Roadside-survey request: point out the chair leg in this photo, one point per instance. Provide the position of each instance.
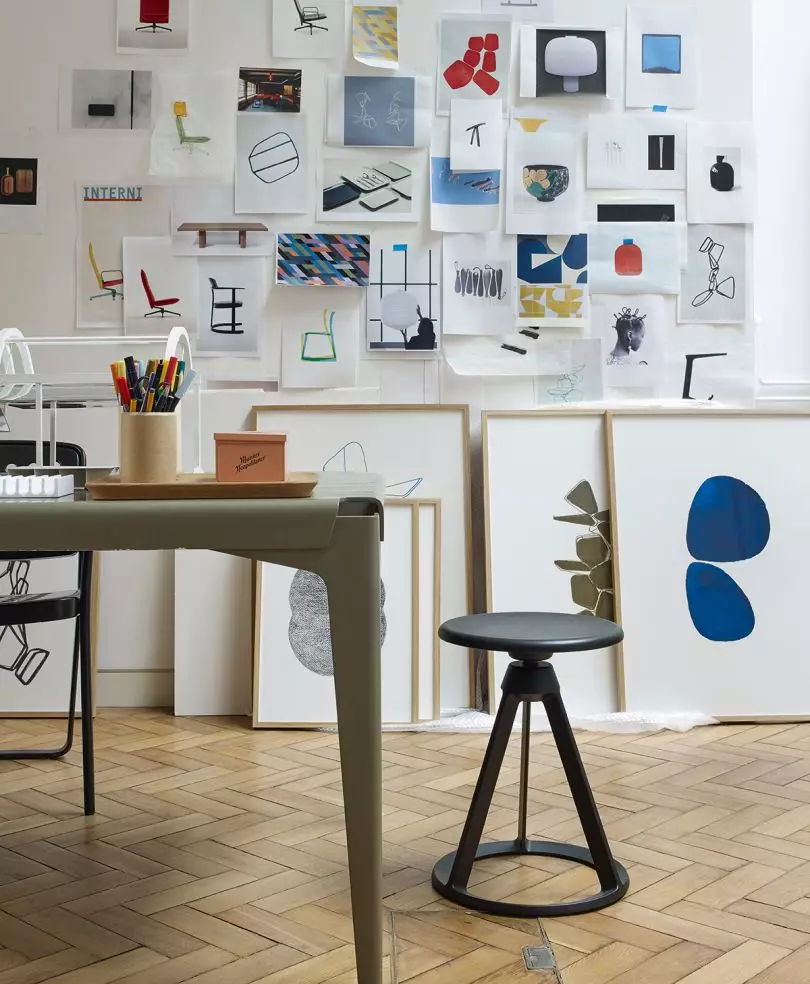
(581, 791)
(88, 757)
(484, 791)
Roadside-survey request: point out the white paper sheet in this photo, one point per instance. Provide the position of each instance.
(636, 151)
(193, 134)
(545, 181)
(214, 203)
(591, 55)
(22, 204)
(709, 363)
(172, 281)
(662, 57)
(634, 259)
(379, 111)
(477, 288)
(124, 98)
(581, 383)
(371, 186)
(634, 330)
(464, 201)
(515, 354)
(552, 280)
(375, 35)
(485, 73)
(714, 286)
(137, 35)
(293, 37)
(231, 298)
(543, 10)
(273, 168)
(722, 172)
(403, 302)
(319, 345)
(476, 134)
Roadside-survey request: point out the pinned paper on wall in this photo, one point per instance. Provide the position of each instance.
(375, 35)
(474, 59)
(662, 57)
(710, 364)
(714, 286)
(377, 186)
(464, 201)
(101, 99)
(568, 62)
(403, 300)
(722, 172)
(322, 259)
(231, 298)
(637, 151)
(193, 132)
(545, 181)
(477, 289)
(308, 30)
(379, 111)
(22, 196)
(634, 331)
(520, 353)
(476, 134)
(211, 204)
(319, 343)
(269, 90)
(634, 259)
(552, 279)
(581, 382)
(152, 26)
(272, 163)
(159, 289)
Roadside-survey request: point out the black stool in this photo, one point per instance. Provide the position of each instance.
(531, 638)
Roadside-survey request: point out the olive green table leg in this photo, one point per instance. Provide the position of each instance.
(353, 584)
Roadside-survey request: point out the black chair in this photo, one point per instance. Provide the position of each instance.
(20, 609)
(309, 17)
(232, 327)
(531, 639)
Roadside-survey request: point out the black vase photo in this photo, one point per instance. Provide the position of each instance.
(722, 175)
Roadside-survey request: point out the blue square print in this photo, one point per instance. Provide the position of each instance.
(661, 54)
(378, 111)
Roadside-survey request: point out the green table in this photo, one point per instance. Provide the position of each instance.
(338, 539)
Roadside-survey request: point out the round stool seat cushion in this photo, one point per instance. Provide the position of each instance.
(531, 635)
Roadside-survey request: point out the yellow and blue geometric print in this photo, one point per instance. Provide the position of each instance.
(375, 34)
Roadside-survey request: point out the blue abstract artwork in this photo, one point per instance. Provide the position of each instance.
(552, 259)
(378, 111)
(661, 54)
(462, 187)
(728, 523)
(323, 260)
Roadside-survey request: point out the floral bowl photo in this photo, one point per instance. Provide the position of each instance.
(546, 182)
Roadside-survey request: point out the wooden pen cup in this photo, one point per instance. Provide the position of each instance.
(148, 448)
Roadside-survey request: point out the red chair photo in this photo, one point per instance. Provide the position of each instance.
(154, 16)
(158, 305)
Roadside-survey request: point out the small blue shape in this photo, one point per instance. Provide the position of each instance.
(575, 254)
(661, 54)
(660, 109)
(720, 609)
(728, 521)
(400, 248)
(583, 278)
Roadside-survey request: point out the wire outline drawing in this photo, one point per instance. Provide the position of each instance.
(295, 159)
(396, 490)
(364, 118)
(726, 288)
(28, 662)
(396, 117)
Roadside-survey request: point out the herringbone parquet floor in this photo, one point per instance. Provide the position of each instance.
(217, 856)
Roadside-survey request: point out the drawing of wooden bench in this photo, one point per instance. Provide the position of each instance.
(203, 228)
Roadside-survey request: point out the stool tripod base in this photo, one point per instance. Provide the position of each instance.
(461, 895)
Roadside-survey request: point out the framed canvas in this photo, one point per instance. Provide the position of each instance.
(548, 537)
(421, 451)
(293, 670)
(707, 538)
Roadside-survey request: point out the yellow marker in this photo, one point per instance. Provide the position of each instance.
(133, 406)
(150, 401)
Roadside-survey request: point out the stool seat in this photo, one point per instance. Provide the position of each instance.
(531, 635)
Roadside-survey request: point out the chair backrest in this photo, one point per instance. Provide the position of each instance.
(149, 295)
(181, 109)
(154, 11)
(96, 270)
(300, 10)
(214, 284)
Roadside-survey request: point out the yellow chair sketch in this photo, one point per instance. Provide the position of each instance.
(188, 142)
(109, 281)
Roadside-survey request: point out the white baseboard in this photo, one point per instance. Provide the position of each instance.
(135, 688)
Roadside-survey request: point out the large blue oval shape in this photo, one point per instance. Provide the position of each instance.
(720, 609)
(728, 521)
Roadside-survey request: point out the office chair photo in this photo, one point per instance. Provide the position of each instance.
(154, 16)
(309, 17)
(109, 281)
(232, 327)
(158, 305)
(188, 142)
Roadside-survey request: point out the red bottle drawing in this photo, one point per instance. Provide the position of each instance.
(629, 261)
(466, 70)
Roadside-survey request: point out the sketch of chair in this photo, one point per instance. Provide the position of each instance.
(232, 327)
(726, 288)
(188, 142)
(154, 16)
(352, 458)
(308, 17)
(109, 281)
(158, 305)
(322, 342)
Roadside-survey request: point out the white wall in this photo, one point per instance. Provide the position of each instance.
(37, 273)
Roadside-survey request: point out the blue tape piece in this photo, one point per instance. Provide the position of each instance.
(660, 109)
(400, 248)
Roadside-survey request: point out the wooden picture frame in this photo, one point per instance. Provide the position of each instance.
(427, 443)
(724, 677)
(420, 520)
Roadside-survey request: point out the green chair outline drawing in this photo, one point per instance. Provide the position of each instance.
(328, 332)
(189, 142)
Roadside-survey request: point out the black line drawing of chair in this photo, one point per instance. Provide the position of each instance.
(308, 17)
(727, 287)
(232, 327)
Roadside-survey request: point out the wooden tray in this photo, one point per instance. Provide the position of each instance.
(299, 485)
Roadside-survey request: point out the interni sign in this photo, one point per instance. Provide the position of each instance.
(112, 193)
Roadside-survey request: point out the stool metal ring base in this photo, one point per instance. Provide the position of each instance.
(461, 895)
